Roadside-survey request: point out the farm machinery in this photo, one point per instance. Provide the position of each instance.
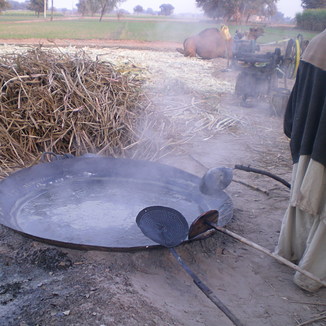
(259, 73)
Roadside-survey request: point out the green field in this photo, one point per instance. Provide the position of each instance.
(26, 26)
(21, 15)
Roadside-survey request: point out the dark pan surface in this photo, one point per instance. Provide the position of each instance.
(93, 202)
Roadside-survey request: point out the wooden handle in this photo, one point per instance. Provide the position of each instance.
(269, 253)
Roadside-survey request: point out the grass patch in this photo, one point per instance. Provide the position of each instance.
(93, 29)
(127, 29)
(280, 33)
(19, 15)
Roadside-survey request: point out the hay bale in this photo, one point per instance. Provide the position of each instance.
(64, 103)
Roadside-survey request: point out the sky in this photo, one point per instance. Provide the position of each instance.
(288, 7)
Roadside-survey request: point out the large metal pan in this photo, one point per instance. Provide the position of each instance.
(91, 202)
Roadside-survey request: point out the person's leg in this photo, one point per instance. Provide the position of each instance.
(295, 231)
(314, 257)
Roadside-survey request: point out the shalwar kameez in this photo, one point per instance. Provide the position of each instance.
(303, 231)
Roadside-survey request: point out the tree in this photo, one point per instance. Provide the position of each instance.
(107, 6)
(150, 11)
(166, 9)
(269, 8)
(237, 9)
(88, 7)
(15, 5)
(265, 8)
(36, 5)
(97, 6)
(313, 4)
(212, 8)
(82, 7)
(93, 6)
(138, 9)
(3, 5)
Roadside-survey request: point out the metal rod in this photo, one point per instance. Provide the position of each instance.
(206, 290)
(271, 175)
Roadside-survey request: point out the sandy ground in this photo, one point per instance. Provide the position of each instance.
(47, 285)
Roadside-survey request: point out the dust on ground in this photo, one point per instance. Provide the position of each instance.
(47, 285)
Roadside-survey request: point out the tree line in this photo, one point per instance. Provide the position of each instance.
(84, 7)
(91, 7)
(166, 9)
(236, 10)
(228, 10)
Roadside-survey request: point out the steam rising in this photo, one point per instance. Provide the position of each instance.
(182, 106)
(101, 210)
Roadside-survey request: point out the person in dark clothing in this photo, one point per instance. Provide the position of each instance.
(303, 232)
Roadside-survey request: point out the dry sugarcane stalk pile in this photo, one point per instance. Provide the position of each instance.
(50, 101)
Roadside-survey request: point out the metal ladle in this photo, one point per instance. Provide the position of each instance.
(217, 179)
(168, 227)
